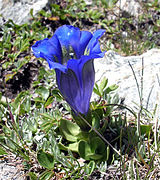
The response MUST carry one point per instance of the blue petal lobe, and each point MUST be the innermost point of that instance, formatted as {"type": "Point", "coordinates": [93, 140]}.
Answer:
{"type": "Point", "coordinates": [54, 65]}
{"type": "Point", "coordinates": [93, 45]}
{"type": "Point", "coordinates": [84, 72]}
{"type": "Point", "coordinates": [84, 40]}
{"type": "Point", "coordinates": [48, 47]}
{"type": "Point", "coordinates": [69, 86]}
{"type": "Point", "coordinates": [68, 36]}
{"type": "Point", "coordinates": [77, 64]}
{"type": "Point", "coordinates": [88, 78]}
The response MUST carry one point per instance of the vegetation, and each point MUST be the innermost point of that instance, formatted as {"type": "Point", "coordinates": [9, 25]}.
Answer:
{"type": "Point", "coordinates": [35, 121]}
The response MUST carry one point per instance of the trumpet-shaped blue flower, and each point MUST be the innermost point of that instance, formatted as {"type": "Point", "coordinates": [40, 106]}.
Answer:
{"type": "Point", "coordinates": [71, 53]}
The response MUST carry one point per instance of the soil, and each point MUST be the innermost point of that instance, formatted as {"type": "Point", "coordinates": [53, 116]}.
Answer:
{"type": "Point", "coordinates": [21, 81]}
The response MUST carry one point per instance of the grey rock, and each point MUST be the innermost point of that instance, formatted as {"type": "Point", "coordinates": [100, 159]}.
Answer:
{"type": "Point", "coordinates": [130, 7]}
{"type": "Point", "coordinates": [10, 172]}
{"type": "Point", "coordinates": [19, 10]}
{"type": "Point", "coordinates": [118, 71]}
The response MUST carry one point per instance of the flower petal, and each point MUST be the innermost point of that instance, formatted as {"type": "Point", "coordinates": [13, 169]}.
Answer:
{"type": "Point", "coordinates": [84, 71]}
{"type": "Point", "coordinates": [54, 65]}
{"type": "Point", "coordinates": [93, 45]}
{"type": "Point", "coordinates": [48, 47]}
{"type": "Point", "coordinates": [88, 78]}
{"type": "Point", "coordinates": [77, 65]}
{"type": "Point", "coordinates": [84, 40]}
{"type": "Point", "coordinates": [69, 86]}
{"type": "Point", "coordinates": [68, 36]}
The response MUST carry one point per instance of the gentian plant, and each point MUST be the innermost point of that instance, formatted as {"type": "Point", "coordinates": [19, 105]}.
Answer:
{"type": "Point", "coordinates": [71, 53]}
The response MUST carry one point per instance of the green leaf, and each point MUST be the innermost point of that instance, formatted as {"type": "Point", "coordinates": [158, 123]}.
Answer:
{"type": "Point", "coordinates": [54, 145]}
{"type": "Point", "coordinates": [43, 92]}
{"type": "Point", "coordinates": [95, 157]}
{"type": "Point", "coordinates": [27, 104]}
{"type": "Point", "coordinates": [49, 101]}
{"type": "Point", "coordinates": [2, 151]}
{"type": "Point", "coordinates": [145, 129]}
{"type": "Point", "coordinates": [84, 149]}
{"type": "Point", "coordinates": [38, 99]}
{"type": "Point", "coordinates": [97, 145]}
{"type": "Point", "coordinates": [97, 115]}
{"type": "Point", "coordinates": [93, 150]}
{"type": "Point", "coordinates": [96, 90]}
{"type": "Point", "coordinates": [20, 98]}
{"type": "Point", "coordinates": [46, 160]}
{"type": "Point", "coordinates": [111, 88]}
{"type": "Point", "coordinates": [31, 13]}
{"type": "Point", "coordinates": [71, 147]}
{"type": "Point", "coordinates": [32, 125]}
{"type": "Point", "coordinates": [0, 95]}
{"type": "Point", "coordinates": [32, 176]}
{"type": "Point", "coordinates": [56, 93]}
{"type": "Point", "coordinates": [46, 175]}
{"type": "Point", "coordinates": [69, 129]}
{"type": "Point", "coordinates": [103, 85]}
{"type": "Point", "coordinates": [47, 116]}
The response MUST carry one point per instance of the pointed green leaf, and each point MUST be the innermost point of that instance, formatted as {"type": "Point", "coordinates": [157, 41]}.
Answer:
{"type": "Point", "coordinates": [49, 101]}
{"type": "Point", "coordinates": [46, 175]}
{"type": "Point", "coordinates": [103, 85]}
{"type": "Point", "coordinates": [46, 115]}
{"type": "Point", "coordinates": [46, 160]}
{"type": "Point", "coordinates": [111, 88]}
{"type": "Point", "coordinates": [96, 90]}
{"type": "Point", "coordinates": [2, 151]}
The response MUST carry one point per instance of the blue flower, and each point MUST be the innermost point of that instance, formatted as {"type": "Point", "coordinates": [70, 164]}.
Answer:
{"type": "Point", "coordinates": [71, 53]}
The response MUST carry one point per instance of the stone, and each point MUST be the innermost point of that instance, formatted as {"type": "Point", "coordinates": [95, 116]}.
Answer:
{"type": "Point", "coordinates": [118, 71]}
{"type": "Point", "coordinates": [134, 8]}
{"type": "Point", "coordinates": [19, 10]}
{"type": "Point", "coordinates": [9, 171]}
{"type": "Point", "coordinates": [130, 8]}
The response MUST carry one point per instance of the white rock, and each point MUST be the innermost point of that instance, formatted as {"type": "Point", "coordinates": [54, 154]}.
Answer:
{"type": "Point", "coordinates": [88, 2]}
{"type": "Point", "coordinates": [19, 10]}
{"type": "Point", "coordinates": [132, 7]}
{"type": "Point", "coordinates": [118, 71]}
